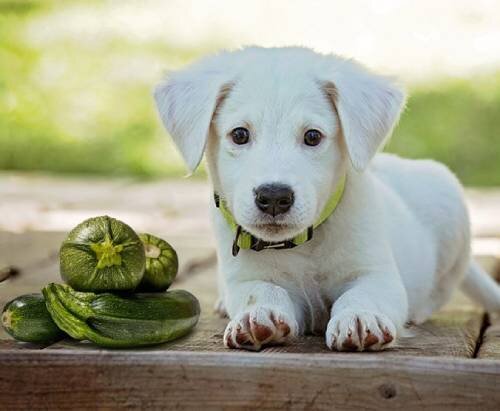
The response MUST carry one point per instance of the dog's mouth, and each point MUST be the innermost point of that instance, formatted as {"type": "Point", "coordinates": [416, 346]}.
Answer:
{"type": "Point", "coordinates": [272, 227]}
{"type": "Point", "coordinates": [273, 231]}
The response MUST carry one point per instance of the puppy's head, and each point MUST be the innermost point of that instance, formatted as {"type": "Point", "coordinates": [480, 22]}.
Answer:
{"type": "Point", "coordinates": [279, 126]}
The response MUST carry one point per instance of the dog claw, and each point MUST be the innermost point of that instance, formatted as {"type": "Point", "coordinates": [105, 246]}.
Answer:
{"type": "Point", "coordinates": [352, 331]}
{"type": "Point", "coordinates": [258, 328]}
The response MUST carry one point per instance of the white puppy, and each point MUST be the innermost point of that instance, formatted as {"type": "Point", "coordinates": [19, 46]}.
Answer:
{"type": "Point", "coordinates": [371, 242]}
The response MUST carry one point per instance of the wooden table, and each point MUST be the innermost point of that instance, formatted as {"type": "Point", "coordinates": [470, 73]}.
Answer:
{"type": "Point", "coordinates": [451, 362]}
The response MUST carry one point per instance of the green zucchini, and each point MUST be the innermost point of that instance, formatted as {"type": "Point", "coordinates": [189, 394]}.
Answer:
{"type": "Point", "coordinates": [115, 321]}
{"type": "Point", "coordinates": [161, 264]}
{"type": "Point", "coordinates": [102, 254]}
{"type": "Point", "coordinates": [26, 318]}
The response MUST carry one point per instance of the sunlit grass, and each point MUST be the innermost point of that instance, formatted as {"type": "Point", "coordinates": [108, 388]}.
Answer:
{"type": "Point", "coordinates": [75, 108]}
{"type": "Point", "coordinates": [456, 122]}
{"type": "Point", "coordinates": [85, 108]}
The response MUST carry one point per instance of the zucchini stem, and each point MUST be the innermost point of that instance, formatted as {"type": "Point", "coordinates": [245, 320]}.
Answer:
{"type": "Point", "coordinates": [107, 253]}
{"type": "Point", "coordinates": [152, 251]}
{"type": "Point", "coordinates": [7, 319]}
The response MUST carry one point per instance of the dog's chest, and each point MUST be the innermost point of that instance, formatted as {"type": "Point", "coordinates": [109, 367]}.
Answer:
{"type": "Point", "coordinates": [309, 285]}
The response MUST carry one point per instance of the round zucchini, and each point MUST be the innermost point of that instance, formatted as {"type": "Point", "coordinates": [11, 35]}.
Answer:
{"type": "Point", "coordinates": [26, 318]}
{"type": "Point", "coordinates": [111, 320]}
{"type": "Point", "coordinates": [102, 254]}
{"type": "Point", "coordinates": [161, 264]}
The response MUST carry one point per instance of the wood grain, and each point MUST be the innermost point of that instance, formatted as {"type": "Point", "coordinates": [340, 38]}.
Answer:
{"type": "Point", "coordinates": [235, 380]}
{"type": "Point", "coordinates": [430, 369]}
{"type": "Point", "coordinates": [453, 332]}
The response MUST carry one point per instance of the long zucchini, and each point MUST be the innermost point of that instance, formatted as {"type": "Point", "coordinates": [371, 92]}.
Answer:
{"type": "Point", "coordinates": [116, 321]}
{"type": "Point", "coordinates": [26, 318]}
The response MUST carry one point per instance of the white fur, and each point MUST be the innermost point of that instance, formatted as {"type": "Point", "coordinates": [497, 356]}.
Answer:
{"type": "Point", "coordinates": [398, 242]}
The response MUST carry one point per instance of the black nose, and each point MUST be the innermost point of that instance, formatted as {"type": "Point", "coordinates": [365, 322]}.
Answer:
{"type": "Point", "coordinates": [274, 199]}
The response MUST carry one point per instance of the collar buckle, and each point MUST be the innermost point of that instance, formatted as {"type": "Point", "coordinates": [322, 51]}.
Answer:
{"type": "Point", "coordinates": [259, 245]}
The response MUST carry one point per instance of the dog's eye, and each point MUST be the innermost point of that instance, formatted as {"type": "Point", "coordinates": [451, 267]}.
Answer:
{"type": "Point", "coordinates": [240, 135]}
{"type": "Point", "coordinates": [312, 137]}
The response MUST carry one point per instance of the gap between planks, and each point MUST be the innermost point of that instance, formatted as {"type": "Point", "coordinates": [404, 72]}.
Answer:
{"type": "Point", "coordinates": [489, 347]}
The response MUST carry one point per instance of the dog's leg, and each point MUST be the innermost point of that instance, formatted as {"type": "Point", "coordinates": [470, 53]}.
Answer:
{"type": "Point", "coordinates": [261, 314]}
{"type": "Point", "coordinates": [367, 315]}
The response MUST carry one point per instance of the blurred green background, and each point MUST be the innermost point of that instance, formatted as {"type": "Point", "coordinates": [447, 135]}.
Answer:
{"type": "Point", "coordinates": [72, 106]}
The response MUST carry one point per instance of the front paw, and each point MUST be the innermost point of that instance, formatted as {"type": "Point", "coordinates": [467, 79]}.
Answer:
{"type": "Point", "coordinates": [259, 326]}
{"type": "Point", "coordinates": [359, 331]}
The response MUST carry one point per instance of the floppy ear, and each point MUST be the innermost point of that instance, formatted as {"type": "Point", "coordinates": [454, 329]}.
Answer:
{"type": "Point", "coordinates": [368, 106]}
{"type": "Point", "coordinates": [186, 102]}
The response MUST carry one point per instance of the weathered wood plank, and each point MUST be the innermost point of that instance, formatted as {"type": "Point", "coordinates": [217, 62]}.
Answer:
{"type": "Point", "coordinates": [437, 337]}
{"type": "Point", "coordinates": [46, 203]}
{"type": "Point", "coordinates": [11, 344]}
{"type": "Point", "coordinates": [236, 380]}
{"type": "Point", "coordinates": [36, 255]}
{"type": "Point", "coordinates": [453, 332]}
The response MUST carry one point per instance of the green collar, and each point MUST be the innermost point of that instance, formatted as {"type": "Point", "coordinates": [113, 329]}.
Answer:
{"type": "Point", "coordinates": [247, 241]}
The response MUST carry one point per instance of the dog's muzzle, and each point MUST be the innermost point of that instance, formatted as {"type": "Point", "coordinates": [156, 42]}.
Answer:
{"type": "Point", "coordinates": [247, 241]}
